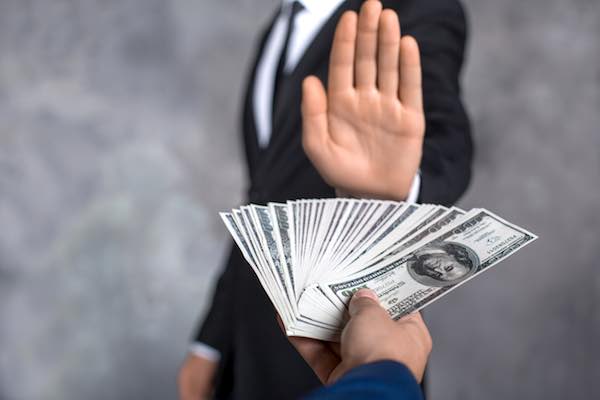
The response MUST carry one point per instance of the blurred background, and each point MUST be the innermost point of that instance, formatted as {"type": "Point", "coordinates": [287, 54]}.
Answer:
{"type": "Point", "coordinates": [119, 144]}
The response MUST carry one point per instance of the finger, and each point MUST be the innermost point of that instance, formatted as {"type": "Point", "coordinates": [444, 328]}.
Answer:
{"type": "Point", "coordinates": [411, 92]}
{"type": "Point", "coordinates": [341, 61]}
{"type": "Point", "coordinates": [280, 323]}
{"type": "Point", "coordinates": [336, 348]}
{"type": "Point", "coordinates": [317, 355]}
{"type": "Point", "coordinates": [315, 135]}
{"type": "Point", "coordinates": [388, 53]}
{"type": "Point", "coordinates": [366, 45]}
{"type": "Point", "coordinates": [416, 320]}
{"type": "Point", "coordinates": [363, 300]}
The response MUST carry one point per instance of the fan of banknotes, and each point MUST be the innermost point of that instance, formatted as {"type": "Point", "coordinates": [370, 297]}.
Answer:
{"type": "Point", "coordinates": [310, 256]}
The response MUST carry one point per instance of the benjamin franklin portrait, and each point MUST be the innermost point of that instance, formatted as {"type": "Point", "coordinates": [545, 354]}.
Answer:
{"type": "Point", "coordinates": [443, 264]}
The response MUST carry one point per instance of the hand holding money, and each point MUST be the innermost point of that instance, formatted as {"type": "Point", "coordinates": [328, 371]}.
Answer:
{"type": "Point", "coordinates": [369, 336]}
{"type": "Point", "coordinates": [365, 135]}
{"type": "Point", "coordinates": [311, 256]}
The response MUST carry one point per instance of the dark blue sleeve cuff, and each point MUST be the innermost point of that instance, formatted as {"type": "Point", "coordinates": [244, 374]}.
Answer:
{"type": "Point", "coordinates": [381, 380]}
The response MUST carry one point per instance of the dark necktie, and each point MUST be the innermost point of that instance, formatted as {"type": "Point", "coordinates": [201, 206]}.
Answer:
{"type": "Point", "coordinates": [279, 74]}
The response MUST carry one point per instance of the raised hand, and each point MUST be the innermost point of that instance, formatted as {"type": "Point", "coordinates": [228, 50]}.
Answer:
{"type": "Point", "coordinates": [365, 134]}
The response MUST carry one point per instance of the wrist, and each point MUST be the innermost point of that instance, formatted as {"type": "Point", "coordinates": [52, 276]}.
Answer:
{"type": "Point", "coordinates": [409, 191]}
{"type": "Point", "coordinates": [401, 189]}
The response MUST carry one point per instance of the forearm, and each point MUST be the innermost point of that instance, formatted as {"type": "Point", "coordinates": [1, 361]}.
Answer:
{"type": "Point", "coordinates": [210, 342]}
{"type": "Point", "coordinates": [196, 378]}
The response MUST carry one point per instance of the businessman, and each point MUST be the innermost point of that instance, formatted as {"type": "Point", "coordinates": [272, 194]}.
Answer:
{"type": "Point", "coordinates": [390, 125]}
{"type": "Point", "coordinates": [378, 358]}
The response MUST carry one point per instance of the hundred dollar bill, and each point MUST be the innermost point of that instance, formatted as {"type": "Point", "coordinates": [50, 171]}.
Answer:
{"type": "Point", "coordinates": [341, 211]}
{"type": "Point", "coordinates": [266, 234]}
{"type": "Point", "coordinates": [251, 226]}
{"type": "Point", "coordinates": [460, 252]}
{"type": "Point", "coordinates": [410, 213]}
{"type": "Point", "coordinates": [335, 208]}
{"type": "Point", "coordinates": [279, 212]}
{"type": "Point", "coordinates": [236, 226]}
{"type": "Point", "coordinates": [238, 237]}
{"type": "Point", "coordinates": [446, 218]}
{"type": "Point", "coordinates": [358, 262]}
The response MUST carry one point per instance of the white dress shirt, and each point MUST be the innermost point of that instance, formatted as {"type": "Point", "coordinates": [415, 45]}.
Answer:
{"type": "Point", "coordinates": [307, 24]}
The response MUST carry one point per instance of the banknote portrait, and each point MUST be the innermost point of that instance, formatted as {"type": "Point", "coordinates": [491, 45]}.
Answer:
{"type": "Point", "coordinates": [443, 264]}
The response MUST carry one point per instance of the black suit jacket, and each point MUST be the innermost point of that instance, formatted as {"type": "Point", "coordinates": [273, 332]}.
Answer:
{"type": "Point", "coordinates": [258, 362]}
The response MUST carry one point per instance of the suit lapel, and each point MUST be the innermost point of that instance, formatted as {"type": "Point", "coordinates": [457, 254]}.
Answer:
{"type": "Point", "coordinates": [248, 119]}
{"type": "Point", "coordinates": [316, 55]}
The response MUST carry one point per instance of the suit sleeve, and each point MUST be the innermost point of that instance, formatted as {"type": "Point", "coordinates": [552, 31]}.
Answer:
{"type": "Point", "coordinates": [384, 380]}
{"type": "Point", "coordinates": [216, 329]}
{"type": "Point", "coordinates": [440, 29]}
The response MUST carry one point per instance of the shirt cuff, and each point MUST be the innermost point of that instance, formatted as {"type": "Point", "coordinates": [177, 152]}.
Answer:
{"type": "Point", "coordinates": [205, 351]}
{"type": "Point", "coordinates": [413, 194]}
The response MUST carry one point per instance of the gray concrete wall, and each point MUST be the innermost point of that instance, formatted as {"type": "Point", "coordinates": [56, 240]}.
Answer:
{"type": "Point", "coordinates": [119, 143]}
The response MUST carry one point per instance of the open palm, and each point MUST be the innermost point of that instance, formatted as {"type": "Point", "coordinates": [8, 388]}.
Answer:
{"type": "Point", "coordinates": [365, 134]}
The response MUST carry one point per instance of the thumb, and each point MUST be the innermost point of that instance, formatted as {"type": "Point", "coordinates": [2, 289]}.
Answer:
{"type": "Point", "coordinates": [363, 300]}
{"type": "Point", "coordinates": [315, 134]}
